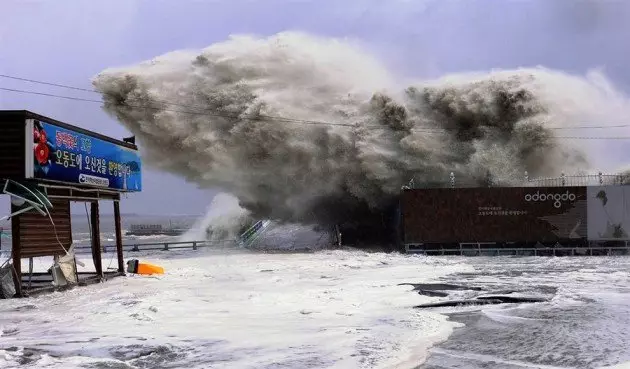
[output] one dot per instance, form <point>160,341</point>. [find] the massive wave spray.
<point>209,116</point>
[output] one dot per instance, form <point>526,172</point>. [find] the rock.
<point>485,300</point>
<point>439,287</point>
<point>432,293</point>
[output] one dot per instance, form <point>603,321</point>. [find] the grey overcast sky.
<point>69,41</point>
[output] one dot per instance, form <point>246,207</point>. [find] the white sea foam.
<point>214,121</point>
<point>339,309</point>
<point>584,325</point>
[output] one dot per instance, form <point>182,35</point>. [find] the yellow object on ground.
<point>136,267</point>
<point>144,268</point>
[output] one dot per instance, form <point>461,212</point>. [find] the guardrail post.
<point>166,247</point>
<point>195,245</point>
<point>135,248</point>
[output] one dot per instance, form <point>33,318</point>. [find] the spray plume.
<point>208,116</point>
<point>223,221</point>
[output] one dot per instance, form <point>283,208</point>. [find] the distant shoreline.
<point>135,215</point>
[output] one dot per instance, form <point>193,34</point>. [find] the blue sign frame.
<point>63,155</point>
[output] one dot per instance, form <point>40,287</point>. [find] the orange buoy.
<point>136,267</point>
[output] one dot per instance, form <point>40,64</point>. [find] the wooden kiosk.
<point>44,165</point>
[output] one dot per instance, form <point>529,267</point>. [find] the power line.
<point>241,117</point>
<point>82,89</point>
<point>275,118</point>
<point>50,95</point>
<point>205,113</point>
<point>47,83</point>
<point>257,117</point>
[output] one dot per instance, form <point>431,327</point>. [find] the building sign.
<point>63,155</point>
<point>496,214</point>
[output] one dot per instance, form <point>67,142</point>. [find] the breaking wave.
<point>208,116</point>
<point>224,220</point>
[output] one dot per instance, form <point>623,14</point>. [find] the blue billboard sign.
<point>64,155</point>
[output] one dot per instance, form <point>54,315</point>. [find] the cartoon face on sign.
<point>42,148</point>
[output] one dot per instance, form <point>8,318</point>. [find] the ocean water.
<point>585,324</point>
<point>82,238</point>
<point>226,307</point>
<point>232,308</point>
<point>81,229</point>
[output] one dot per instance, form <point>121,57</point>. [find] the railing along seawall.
<point>245,239</point>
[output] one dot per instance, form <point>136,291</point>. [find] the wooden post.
<point>17,252</point>
<point>30,272</point>
<point>96,238</point>
<point>119,245</point>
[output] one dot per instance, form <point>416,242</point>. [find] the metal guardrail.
<point>599,179</point>
<point>159,246</point>
<point>250,236</point>
<point>529,251</point>
<point>245,239</point>
<point>579,180</point>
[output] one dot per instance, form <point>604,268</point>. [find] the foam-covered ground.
<point>231,308</point>
<point>235,309</point>
<point>586,324</point>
